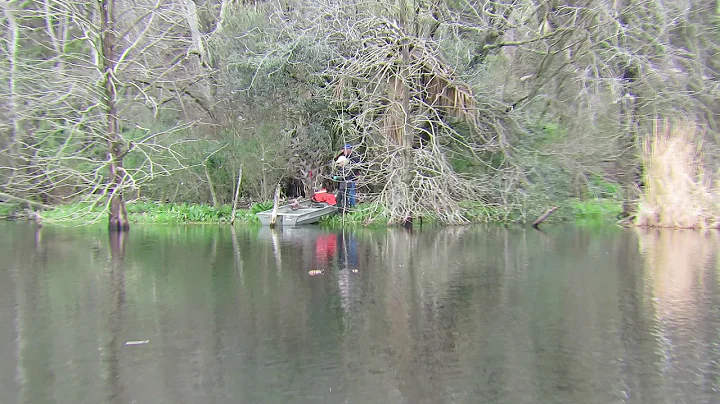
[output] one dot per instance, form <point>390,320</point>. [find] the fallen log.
<point>544,216</point>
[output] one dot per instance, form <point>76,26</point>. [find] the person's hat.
<point>341,161</point>
<point>347,146</point>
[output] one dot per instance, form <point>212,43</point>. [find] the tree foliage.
<point>510,103</point>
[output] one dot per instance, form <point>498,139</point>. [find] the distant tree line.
<point>511,104</point>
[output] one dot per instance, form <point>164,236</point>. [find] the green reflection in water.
<point>467,314</point>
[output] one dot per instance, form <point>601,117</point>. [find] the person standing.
<point>347,171</point>
<point>345,178</point>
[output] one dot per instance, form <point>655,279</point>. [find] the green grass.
<point>593,212</point>
<point>596,209</point>
<point>149,212</point>
<point>156,213</point>
<point>6,208</point>
<point>364,214</point>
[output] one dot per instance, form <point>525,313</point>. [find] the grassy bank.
<point>594,211</point>
<point>143,212</point>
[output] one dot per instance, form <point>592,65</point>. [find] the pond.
<point>207,314</point>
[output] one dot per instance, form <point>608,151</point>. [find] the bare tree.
<point>398,97</point>
<point>107,90</point>
<point>485,101</point>
<point>118,220</point>
<point>506,104</point>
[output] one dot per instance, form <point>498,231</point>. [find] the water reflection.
<point>116,316</point>
<point>681,269</point>
<point>453,315</point>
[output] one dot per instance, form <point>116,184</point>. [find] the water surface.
<point>459,315</point>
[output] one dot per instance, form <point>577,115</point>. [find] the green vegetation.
<point>590,211</point>
<point>6,209</point>
<point>156,213</point>
<point>459,111</point>
<point>596,209</point>
<point>365,214</point>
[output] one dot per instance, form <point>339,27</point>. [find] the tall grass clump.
<point>677,193</point>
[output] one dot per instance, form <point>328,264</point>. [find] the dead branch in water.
<point>544,216</point>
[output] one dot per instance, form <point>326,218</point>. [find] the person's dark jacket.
<point>349,171</point>
<point>344,174</point>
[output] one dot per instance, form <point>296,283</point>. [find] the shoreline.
<point>596,211</point>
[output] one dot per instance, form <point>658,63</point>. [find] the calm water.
<point>464,315</point>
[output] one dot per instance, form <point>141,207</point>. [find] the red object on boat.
<point>324,196</point>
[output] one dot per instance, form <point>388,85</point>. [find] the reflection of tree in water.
<point>116,315</point>
<point>681,270</point>
<point>10,318</point>
<point>34,369</point>
<point>401,327</point>
<point>636,313</point>
<point>465,314</point>
<point>56,338</point>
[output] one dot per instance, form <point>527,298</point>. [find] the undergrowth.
<point>363,215</point>
<point>596,209</point>
<point>156,213</point>
<point>678,192</point>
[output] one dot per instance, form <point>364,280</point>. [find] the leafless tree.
<point>99,94</point>
<point>426,81</point>
<point>501,103</point>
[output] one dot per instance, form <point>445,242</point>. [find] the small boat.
<point>298,214</point>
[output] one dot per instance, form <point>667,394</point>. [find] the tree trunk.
<point>118,214</point>
<point>407,136</point>
<point>12,46</point>
<point>198,47</point>
<point>56,25</point>
<point>628,164</point>
<point>276,202</point>
<point>213,197</point>
<point>237,196</point>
